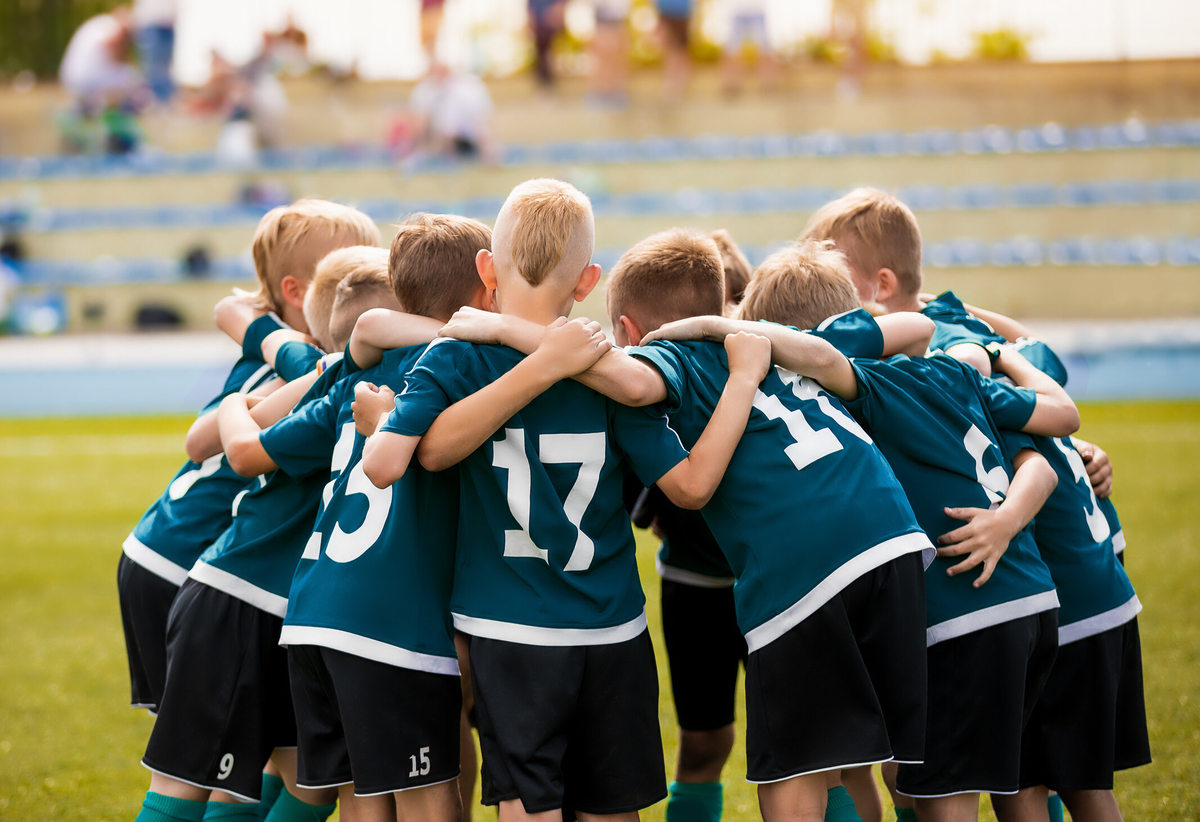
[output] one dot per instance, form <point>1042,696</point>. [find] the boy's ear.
<point>633,329</point>
<point>293,292</point>
<point>886,283</point>
<point>485,264</point>
<point>587,281</point>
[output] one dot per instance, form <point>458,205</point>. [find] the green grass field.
<point>72,489</point>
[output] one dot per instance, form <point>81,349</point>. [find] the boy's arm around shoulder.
<point>905,332</point>
<point>565,348</point>
<point>204,438</point>
<point>381,329</point>
<point>239,435</point>
<point>692,482</point>
<point>1055,414</point>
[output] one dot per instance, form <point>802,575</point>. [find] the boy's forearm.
<point>810,356</point>
<point>692,483</point>
<point>233,316</point>
<point>380,329</point>
<point>905,332</point>
<point>625,379</point>
<point>204,436</point>
<point>386,455</point>
<point>1006,327</point>
<point>1033,482</point>
<point>239,437</point>
<point>1055,414</point>
<point>463,427</point>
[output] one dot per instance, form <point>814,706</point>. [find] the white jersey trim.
<point>238,588</point>
<point>829,587</point>
<point>553,637</point>
<point>368,648</point>
<point>1099,623</point>
<point>987,617</point>
<point>693,578</point>
<point>1118,541</point>
<point>239,797</point>
<point>255,379</point>
<point>154,562</point>
<point>822,770</point>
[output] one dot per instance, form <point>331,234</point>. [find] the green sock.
<point>694,802</point>
<point>839,806</point>
<point>1055,806</point>
<point>272,786</point>
<point>290,809</point>
<point>232,811</point>
<point>906,815</point>
<point>159,808</point>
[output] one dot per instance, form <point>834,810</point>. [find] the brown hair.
<point>318,300</point>
<point>365,284</point>
<point>737,267</point>
<point>432,263</point>
<point>802,285</point>
<point>278,250</point>
<point>667,276</point>
<point>874,230</point>
<point>549,225</point>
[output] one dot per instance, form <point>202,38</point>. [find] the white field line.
<point>89,445</point>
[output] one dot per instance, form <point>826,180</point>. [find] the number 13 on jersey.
<point>587,451</point>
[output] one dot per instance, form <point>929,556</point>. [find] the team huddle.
<point>408,514</point>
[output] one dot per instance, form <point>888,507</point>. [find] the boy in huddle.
<point>195,508</point>
<point>225,707</point>
<point>993,636</point>
<point>545,578</point>
<point>847,600</point>
<point>1071,743</point>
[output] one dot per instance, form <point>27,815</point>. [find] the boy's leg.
<point>468,764</point>
<point>800,798</point>
<point>298,804</point>
<point>436,803</point>
<point>902,804</point>
<point>1026,805</point>
<point>1092,806</point>
<point>963,807</point>
<point>704,649</point>
<point>860,784</point>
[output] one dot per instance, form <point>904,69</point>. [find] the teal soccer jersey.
<point>697,559</point>
<point>196,506</point>
<point>255,557</point>
<point>1095,591</point>
<point>545,549</point>
<point>808,503</point>
<point>941,426</point>
<point>374,579</point>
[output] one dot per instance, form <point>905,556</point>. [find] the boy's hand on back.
<point>569,347</point>
<point>1099,467</point>
<point>371,404</point>
<point>474,326</point>
<point>984,538</point>
<point>749,355</point>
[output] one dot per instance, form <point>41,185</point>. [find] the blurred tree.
<point>34,33</point>
<point>1001,44</point>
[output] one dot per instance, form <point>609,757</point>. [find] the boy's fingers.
<point>957,535</point>
<point>989,565</point>
<point>966,565</point>
<point>965,514</point>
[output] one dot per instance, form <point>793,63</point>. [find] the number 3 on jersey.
<point>586,450</point>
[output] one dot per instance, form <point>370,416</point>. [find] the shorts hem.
<point>1008,792</point>
<point>410,788</point>
<point>323,787</point>
<point>238,796</point>
<point>817,770</point>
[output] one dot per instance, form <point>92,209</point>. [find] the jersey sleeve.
<point>866,405</point>
<point>1013,442</point>
<point>648,441</point>
<point>301,444</point>
<point>1011,406</point>
<point>428,389</point>
<point>349,366</point>
<point>854,333</point>
<point>295,359</point>
<point>664,356</point>
<point>258,331</point>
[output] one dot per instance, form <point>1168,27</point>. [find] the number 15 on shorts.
<point>423,767</point>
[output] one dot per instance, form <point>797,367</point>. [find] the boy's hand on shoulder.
<point>749,355</point>
<point>985,538</point>
<point>1098,465</point>
<point>692,328</point>
<point>569,347</point>
<point>371,404</point>
<point>474,326</point>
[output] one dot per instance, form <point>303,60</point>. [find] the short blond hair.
<point>802,285</point>
<point>290,240</point>
<point>546,227</point>
<point>874,230</point>
<point>431,265</point>
<point>737,267</point>
<point>667,276</point>
<point>364,284</point>
<point>318,300</point>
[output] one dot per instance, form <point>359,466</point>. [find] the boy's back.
<point>546,554</point>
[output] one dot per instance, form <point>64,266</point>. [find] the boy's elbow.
<point>241,457</point>
<point>1069,419</point>
<point>687,493</point>
<point>378,474</point>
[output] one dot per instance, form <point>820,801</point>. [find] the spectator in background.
<point>452,113</point>
<point>674,18</point>
<point>546,20</point>
<point>97,67</point>
<point>748,30</point>
<point>609,83</point>
<point>431,23</point>
<point>155,21</point>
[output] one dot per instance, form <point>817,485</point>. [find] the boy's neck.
<point>905,304</point>
<point>539,305</point>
